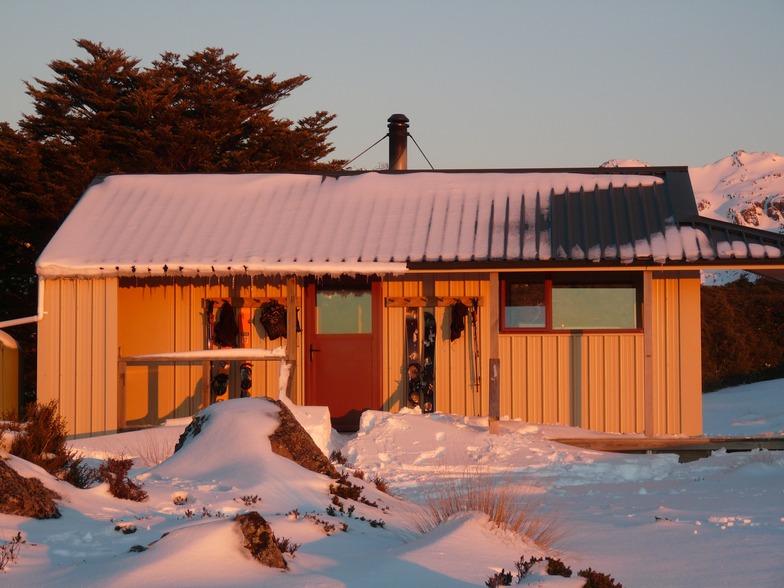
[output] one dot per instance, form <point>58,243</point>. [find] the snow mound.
<point>456,540</point>
<point>231,453</point>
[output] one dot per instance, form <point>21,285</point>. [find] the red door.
<point>341,350</point>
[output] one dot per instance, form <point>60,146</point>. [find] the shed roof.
<point>385,222</point>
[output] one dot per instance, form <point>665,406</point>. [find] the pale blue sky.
<point>486,84</point>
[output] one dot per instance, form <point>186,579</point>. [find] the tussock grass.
<point>502,499</point>
<point>152,450</point>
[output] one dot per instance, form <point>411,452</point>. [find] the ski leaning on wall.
<point>428,364</point>
<point>421,363</point>
<point>412,356</point>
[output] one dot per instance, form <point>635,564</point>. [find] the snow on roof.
<point>366,223</point>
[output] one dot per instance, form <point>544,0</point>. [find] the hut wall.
<point>677,377</point>
<point>592,380</point>
<point>77,353</point>
<point>160,315</point>
<point>459,388</point>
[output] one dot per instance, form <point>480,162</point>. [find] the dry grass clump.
<point>499,497</point>
<point>152,449</point>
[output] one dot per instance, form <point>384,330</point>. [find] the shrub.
<point>114,471</point>
<point>9,550</point>
<point>338,457</point>
<point>80,474</point>
<point>249,500</point>
<point>41,438</point>
<point>501,578</point>
<point>742,332</point>
<point>287,546</point>
<point>499,498</point>
<point>345,489</point>
<point>524,566</point>
<point>594,579</point>
<point>555,567</point>
<point>328,527</point>
<point>380,484</point>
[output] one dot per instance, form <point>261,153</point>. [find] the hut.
<point>566,296</point>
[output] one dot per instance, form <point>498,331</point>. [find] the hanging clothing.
<point>226,329</point>
<point>456,328</point>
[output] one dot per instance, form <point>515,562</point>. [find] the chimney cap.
<point>398,120</point>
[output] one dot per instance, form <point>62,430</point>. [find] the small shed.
<point>565,296</point>
<point>9,375</point>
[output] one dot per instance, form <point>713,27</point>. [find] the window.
<point>525,305</point>
<point>590,301</point>
<point>344,312</point>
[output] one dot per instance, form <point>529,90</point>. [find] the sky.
<point>496,84</point>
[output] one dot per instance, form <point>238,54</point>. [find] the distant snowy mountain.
<point>624,163</point>
<point>744,188</point>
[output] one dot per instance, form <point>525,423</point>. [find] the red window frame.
<point>550,278</point>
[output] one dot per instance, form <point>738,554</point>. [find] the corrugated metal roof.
<point>227,224</point>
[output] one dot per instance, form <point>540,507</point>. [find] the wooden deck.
<point>687,448</point>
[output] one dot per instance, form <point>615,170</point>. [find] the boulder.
<point>193,429</point>
<point>260,540</point>
<point>292,441</point>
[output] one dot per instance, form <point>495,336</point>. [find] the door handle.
<point>311,350</point>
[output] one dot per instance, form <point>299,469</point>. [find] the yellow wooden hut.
<point>565,296</point>
<point>9,375</point>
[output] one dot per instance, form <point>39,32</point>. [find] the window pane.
<point>525,305</point>
<point>594,307</point>
<point>344,312</point>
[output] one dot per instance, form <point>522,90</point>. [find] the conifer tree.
<point>105,114</point>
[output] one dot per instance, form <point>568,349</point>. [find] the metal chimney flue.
<point>398,142</point>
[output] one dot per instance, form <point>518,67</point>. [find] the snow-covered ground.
<point>647,520</point>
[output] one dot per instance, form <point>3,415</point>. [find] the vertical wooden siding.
<point>595,381</point>
<point>456,378</point>
<point>394,362</point>
<point>677,377</point>
<point>592,381</point>
<point>157,316</point>
<point>77,353</point>
<point>9,374</point>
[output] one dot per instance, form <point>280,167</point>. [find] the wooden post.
<point>291,335</point>
<point>494,391</point>
<point>206,374</point>
<point>647,328</point>
<point>121,370</point>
